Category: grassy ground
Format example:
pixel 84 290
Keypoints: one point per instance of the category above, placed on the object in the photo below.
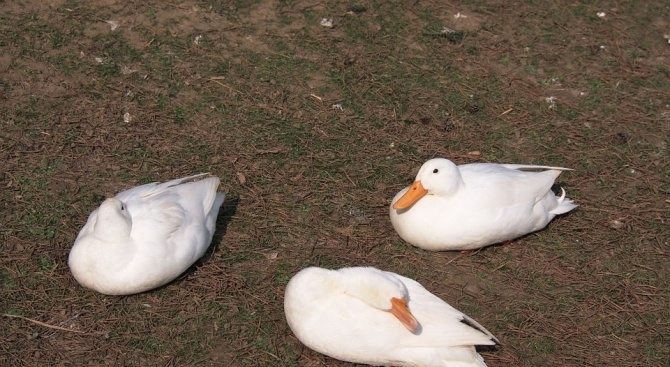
pixel 246 90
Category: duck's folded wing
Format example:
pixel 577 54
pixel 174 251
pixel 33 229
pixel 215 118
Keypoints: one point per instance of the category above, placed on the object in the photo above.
pixel 154 188
pixel 157 220
pixel 443 325
pixel 530 167
pixel 530 181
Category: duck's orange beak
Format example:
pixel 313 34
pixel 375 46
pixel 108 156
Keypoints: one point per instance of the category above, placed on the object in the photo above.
pixel 400 311
pixel 415 192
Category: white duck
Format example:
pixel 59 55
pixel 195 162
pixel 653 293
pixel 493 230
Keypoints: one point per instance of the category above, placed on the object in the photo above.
pixel 450 207
pixel 146 236
pixel 365 315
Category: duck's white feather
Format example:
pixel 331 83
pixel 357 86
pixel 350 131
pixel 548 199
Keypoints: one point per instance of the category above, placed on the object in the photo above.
pixel 480 204
pixel 171 226
pixel 327 318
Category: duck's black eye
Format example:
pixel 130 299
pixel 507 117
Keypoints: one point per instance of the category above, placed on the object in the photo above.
pixel 435 170
pixel 123 208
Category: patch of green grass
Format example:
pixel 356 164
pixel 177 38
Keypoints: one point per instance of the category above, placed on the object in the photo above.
pixel 180 116
pixel 235 10
pixel 146 343
pixel 511 316
pixel 542 346
pixel 282 274
pixel 6 279
pixel 636 53
pixel 113 45
pixel 37 225
pixel 29 111
pixel 45 263
pixel 31 28
pixel 567 113
pixel 654 350
pixel 356 29
pixel 240 257
pixel 67 63
pixel 108 69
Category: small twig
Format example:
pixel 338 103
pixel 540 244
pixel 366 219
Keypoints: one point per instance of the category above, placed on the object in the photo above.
pixel 41 323
pixel 454 259
pixel 215 79
pixel 310 6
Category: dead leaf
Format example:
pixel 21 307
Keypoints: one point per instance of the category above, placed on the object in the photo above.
pixel 241 178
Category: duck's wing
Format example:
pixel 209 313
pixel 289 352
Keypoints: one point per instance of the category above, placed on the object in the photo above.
pixel 153 188
pixel 527 167
pixel 197 193
pixel 507 184
pixel 179 212
pixel 538 183
pixel 443 325
pixel 156 220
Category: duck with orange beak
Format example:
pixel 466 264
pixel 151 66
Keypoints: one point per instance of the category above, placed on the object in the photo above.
pixel 466 207
pixel 366 315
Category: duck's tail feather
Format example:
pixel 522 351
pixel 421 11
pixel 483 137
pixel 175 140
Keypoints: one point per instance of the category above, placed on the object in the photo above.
pixel 185 180
pixel 530 167
pixel 212 199
pixel 467 320
pixel 564 204
pixel 195 191
pixel 214 211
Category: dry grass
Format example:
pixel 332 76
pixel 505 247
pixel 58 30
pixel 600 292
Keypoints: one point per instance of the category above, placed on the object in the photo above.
pixel 310 184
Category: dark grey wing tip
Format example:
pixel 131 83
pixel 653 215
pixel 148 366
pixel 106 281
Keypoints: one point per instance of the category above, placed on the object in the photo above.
pixel 475 325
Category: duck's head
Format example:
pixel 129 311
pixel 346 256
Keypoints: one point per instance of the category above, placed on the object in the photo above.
pixel 437 176
pixel 380 290
pixel 113 221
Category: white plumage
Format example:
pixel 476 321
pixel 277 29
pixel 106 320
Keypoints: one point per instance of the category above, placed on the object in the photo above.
pixel 356 315
pixel 450 207
pixel 146 236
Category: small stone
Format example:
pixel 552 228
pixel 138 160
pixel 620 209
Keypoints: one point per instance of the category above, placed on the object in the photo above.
pixel 472 289
pixel 616 224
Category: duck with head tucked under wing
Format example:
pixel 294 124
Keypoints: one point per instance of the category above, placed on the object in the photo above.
pixel 146 236
pixel 466 207
pixel 366 315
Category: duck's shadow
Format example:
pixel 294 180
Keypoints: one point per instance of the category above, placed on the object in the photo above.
pixel 226 214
